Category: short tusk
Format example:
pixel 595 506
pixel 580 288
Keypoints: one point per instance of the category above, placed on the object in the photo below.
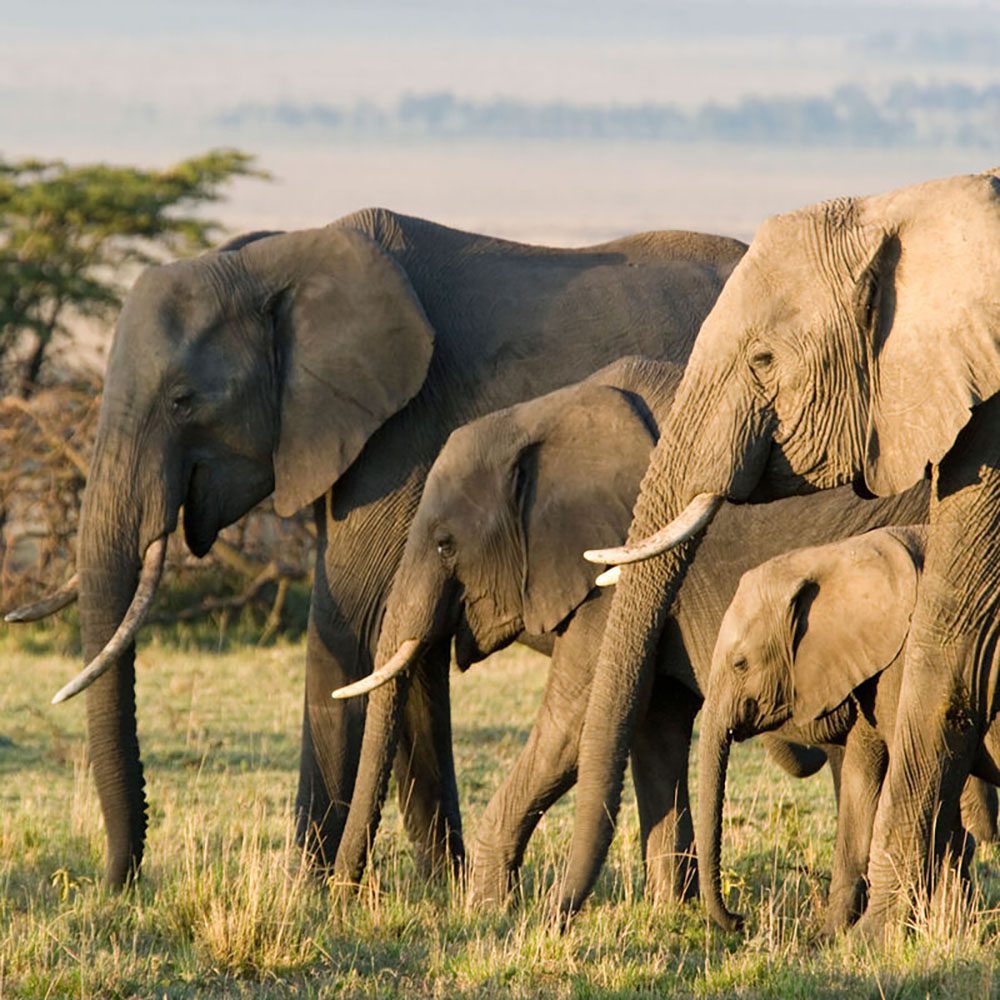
pixel 56 601
pixel 609 577
pixel 152 569
pixel 402 658
pixel 698 513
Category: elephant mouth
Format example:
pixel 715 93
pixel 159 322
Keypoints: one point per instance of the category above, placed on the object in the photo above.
pixel 200 527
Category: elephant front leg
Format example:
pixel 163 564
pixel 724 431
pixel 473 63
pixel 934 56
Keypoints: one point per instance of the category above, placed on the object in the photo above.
pixel 947 682
pixel 660 753
pixel 425 769
pixel 331 733
pixel 862 772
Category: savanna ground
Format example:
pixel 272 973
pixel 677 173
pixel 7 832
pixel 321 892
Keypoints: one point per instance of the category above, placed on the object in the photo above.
pixel 225 908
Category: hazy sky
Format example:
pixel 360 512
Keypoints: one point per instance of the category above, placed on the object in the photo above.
pixel 143 81
pixel 188 58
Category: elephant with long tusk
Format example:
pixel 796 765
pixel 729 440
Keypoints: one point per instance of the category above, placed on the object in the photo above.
pixel 327 367
pixel 857 342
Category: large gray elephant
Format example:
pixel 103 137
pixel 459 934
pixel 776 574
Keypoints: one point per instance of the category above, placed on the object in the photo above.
pixel 813 643
pixel 857 340
pixel 329 365
pixel 494 551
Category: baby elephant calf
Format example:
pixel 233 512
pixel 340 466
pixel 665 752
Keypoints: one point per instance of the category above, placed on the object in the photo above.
pixel 814 639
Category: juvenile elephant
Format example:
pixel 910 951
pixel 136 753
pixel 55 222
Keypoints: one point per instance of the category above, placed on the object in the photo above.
pixel 494 551
pixel 857 341
pixel 813 643
pixel 328 366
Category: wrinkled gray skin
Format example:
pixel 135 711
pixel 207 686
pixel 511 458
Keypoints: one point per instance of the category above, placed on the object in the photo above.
pixel 495 549
pixel 813 643
pixel 857 340
pixel 329 366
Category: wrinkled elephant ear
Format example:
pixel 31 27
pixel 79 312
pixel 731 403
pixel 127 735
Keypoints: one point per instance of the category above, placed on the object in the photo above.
pixel 577 483
pixel 935 325
pixel 352 344
pixel 851 617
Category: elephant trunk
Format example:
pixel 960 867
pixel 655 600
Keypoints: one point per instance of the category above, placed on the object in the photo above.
pixel 109 568
pixel 378 749
pixel 713 759
pixel 704 450
pixel 118 524
pixel 622 678
pixel 409 621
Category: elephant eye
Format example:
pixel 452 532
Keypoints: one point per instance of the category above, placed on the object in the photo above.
pixel 761 359
pixel 739 664
pixel 181 402
pixel 446 547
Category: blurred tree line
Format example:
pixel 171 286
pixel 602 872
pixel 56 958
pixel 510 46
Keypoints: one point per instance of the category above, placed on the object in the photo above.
pixel 72 240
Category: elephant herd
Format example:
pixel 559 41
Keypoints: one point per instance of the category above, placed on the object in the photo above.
pixel 788 454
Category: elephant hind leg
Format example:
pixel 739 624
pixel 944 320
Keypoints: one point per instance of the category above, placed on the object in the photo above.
pixel 660 752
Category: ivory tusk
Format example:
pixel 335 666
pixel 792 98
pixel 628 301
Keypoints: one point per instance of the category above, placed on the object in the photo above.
pixel 698 513
pixel 152 569
pixel 400 661
pixel 609 577
pixel 56 601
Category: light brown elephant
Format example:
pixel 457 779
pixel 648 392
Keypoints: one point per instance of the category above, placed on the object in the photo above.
pixel 858 340
pixel 812 643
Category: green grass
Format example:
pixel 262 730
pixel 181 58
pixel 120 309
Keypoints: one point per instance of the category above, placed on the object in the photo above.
pixel 225 908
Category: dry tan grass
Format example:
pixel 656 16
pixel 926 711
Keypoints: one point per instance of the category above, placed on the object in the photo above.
pixel 227 909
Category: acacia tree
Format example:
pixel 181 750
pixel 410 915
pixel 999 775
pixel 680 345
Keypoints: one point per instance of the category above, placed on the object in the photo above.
pixel 72 236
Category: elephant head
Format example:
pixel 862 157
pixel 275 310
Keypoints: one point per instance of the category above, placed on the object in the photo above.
pixel 494 548
pixel 803 631
pixel 263 366
pixel 850 344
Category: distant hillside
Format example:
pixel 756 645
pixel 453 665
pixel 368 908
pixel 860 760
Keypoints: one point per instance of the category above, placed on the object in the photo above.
pixel 902 114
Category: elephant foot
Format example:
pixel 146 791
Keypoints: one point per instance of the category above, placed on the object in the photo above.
pixel 875 927
pixel 845 906
pixel 492 886
pixel 493 876
pixel 672 879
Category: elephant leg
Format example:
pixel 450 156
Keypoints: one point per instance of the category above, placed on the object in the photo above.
pixel 979 810
pixel 862 771
pixel 660 752
pixel 331 731
pixel 946 684
pixel 358 555
pixel 425 768
pixel 835 756
pixel 546 766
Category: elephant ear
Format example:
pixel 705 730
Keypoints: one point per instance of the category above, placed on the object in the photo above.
pixel 353 345
pixel 577 483
pixel 851 615
pixel 935 323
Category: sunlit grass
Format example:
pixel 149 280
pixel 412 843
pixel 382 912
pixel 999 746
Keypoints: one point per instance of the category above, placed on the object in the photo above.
pixel 226 907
